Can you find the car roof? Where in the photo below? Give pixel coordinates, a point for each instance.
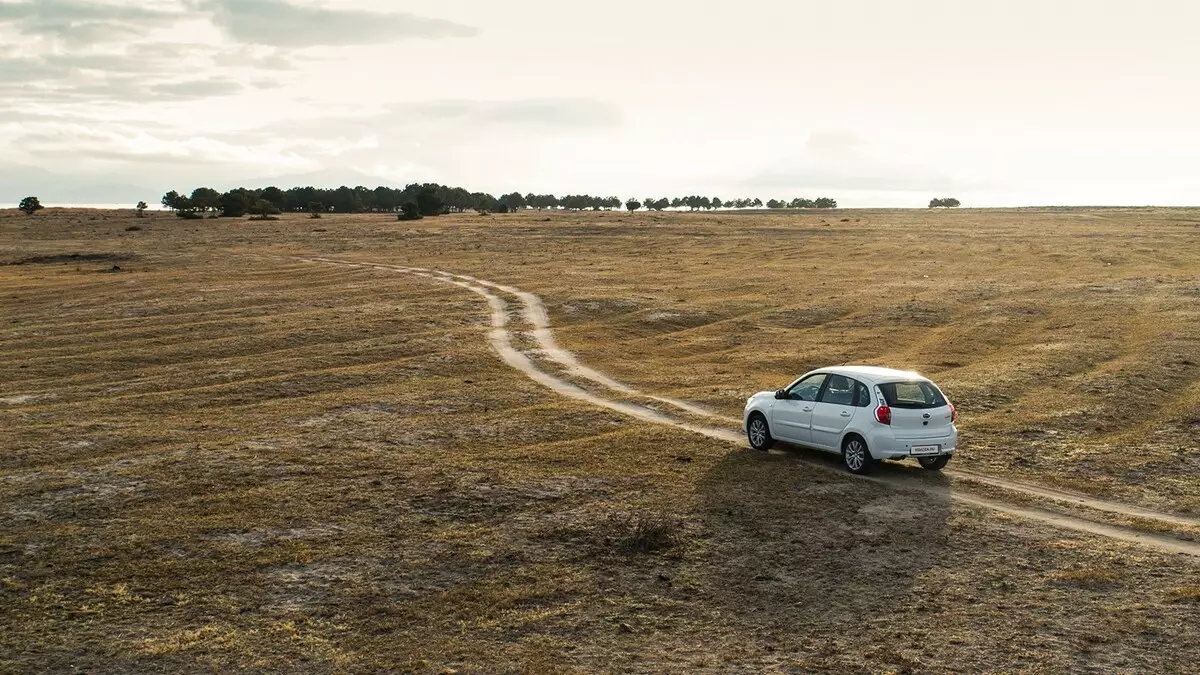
(873, 374)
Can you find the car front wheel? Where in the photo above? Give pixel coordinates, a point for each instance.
(856, 457)
(759, 433)
(934, 463)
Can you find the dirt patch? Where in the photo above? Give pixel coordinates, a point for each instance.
(63, 258)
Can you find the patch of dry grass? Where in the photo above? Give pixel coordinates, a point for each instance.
(214, 458)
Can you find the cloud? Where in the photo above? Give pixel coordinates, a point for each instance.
(579, 113)
(198, 88)
(273, 22)
(79, 22)
(84, 146)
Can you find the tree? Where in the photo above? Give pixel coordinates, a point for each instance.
(315, 209)
(263, 209)
(275, 196)
(185, 208)
(717, 203)
(141, 209)
(235, 203)
(825, 203)
(30, 205)
(385, 199)
(346, 200)
(946, 203)
(206, 199)
(429, 202)
(633, 205)
(515, 201)
(171, 200)
(484, 203)
(410, 211)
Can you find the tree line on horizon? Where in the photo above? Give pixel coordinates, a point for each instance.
(418, 200)
(432, 199)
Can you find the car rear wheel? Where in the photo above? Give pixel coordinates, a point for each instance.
(934, 463)
(759, 433)
(856, 456)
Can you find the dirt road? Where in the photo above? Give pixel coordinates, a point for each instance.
(536, 326)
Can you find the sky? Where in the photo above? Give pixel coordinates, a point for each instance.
(872, 102)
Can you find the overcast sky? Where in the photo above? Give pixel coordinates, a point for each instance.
(873, 102)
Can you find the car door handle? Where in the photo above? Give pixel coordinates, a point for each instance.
(846, 413)
(808, 410)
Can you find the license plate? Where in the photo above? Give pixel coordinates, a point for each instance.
(926, 449)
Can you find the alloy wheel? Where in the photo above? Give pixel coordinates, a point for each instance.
(758, 432)
(856, 455)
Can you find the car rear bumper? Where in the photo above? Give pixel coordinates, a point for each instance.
(888, 447)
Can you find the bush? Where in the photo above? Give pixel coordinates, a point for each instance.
(30, 205)
(944, 203)
(645, 532)
(410, 211)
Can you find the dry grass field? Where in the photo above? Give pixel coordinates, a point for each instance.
(216, 455)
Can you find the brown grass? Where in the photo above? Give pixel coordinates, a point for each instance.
(214, 458)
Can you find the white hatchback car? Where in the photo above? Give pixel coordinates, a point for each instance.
(861, 412)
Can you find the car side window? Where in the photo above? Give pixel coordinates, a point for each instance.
(808, 388)
(840, 391)
(862, 396)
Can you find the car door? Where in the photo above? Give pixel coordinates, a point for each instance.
(791, 416)
(832, 412)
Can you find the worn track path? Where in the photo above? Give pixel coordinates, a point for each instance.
(533, 313)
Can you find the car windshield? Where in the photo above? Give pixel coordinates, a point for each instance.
(916, 394)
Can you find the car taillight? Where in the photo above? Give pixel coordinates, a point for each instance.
(953, 412)
(883, 414)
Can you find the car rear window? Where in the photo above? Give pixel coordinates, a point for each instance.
(913, 395)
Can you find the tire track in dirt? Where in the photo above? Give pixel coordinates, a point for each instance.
(501, 340)
(534, 313)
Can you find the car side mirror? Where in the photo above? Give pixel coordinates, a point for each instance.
(781, 394)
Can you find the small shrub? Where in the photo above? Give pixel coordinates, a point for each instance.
(645, 532)
(134, 228)
(189, 215)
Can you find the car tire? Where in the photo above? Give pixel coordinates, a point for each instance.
(934, 463)
(759, 433)
(856, 456)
